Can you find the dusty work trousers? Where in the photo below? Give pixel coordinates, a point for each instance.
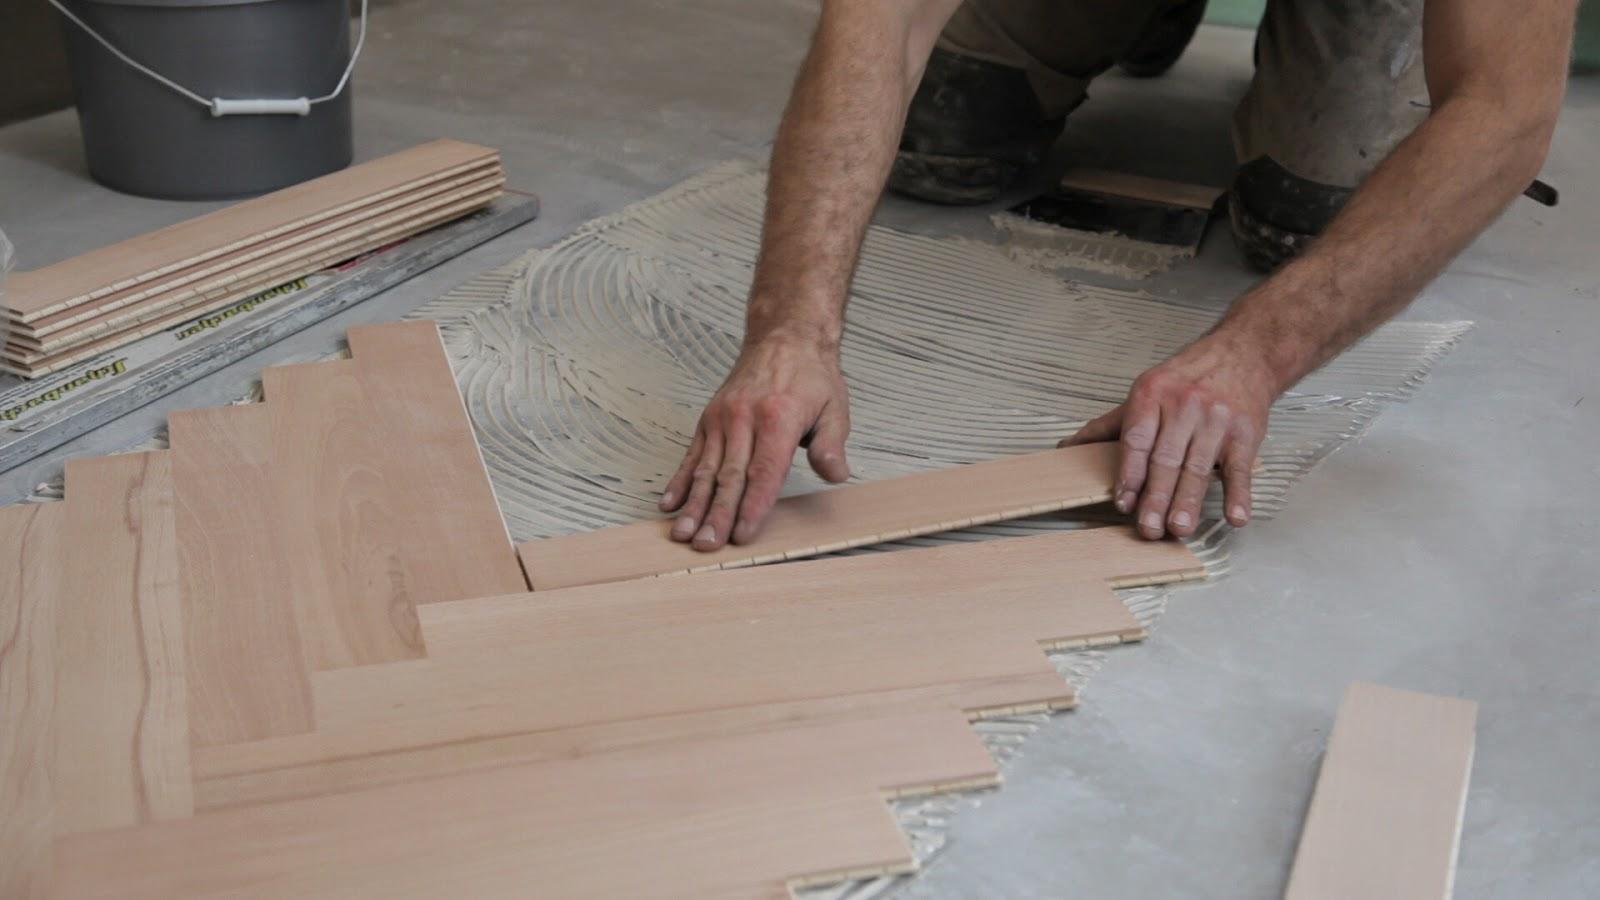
(1338, 83)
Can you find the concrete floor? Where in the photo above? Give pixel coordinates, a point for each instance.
(1451, 550)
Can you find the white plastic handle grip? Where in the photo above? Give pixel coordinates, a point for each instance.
(293, 106)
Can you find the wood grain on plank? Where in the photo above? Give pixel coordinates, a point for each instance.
(448, 501)
(122, 731)
(151, 255)
(31, 563)
(851, 516)
(697, 818)
(247, 673)
(350, 561)
(1385, 818)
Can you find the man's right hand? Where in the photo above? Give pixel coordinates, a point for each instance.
(783, 393)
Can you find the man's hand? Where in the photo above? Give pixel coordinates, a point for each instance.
(782, 393)
(1205, 407)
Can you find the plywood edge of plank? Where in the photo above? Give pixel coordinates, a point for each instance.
(105, 270)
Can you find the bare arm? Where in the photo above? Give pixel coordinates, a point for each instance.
(829, 164)
(1496, 75)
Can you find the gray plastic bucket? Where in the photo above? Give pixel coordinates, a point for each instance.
(146, 137)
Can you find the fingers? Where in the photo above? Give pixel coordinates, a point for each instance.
(825, 451)
(1141, 422)
(1237, 464)
(1104, 428)
(1161, 474)
(678, 485)
(1195, 477)
(776, 440)
(728, 483)
(702, 481)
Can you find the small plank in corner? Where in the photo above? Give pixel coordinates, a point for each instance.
(1385, 818)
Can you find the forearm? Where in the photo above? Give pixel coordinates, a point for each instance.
(1438, 189)
(831, 159)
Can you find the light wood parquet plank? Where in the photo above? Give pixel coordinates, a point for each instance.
(317, 764)
(700, 818)
(448, 500)
(31, 562)
(247, 673)
(122, 732)
(349, 561)
(960, 628)
(839, 518)
(1385, 818)
(148, 256)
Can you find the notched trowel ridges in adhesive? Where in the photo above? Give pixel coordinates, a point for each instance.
(839, 518)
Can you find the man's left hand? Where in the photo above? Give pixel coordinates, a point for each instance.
(1205, 407)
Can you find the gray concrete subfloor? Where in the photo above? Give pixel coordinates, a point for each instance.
(1451, 550)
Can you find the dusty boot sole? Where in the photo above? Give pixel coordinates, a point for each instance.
(1265, 245)
(950, 180)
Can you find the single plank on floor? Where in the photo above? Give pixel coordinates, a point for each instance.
(247, 674)
(1385, 818)
(448, 499)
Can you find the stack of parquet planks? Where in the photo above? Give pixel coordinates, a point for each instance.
(295, 655)
(67, 312)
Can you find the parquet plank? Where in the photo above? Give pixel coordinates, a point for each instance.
(1385, 818)
(700, 818)
(122, 732)
(316, 764)
(31, 562)
(448, 502)
(247, 673)
(350, 565)
(813, 629)
(850, 516)
(40, 292)
(957, 627)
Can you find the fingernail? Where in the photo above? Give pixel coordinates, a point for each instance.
(666, 500)
(1151, 522)
(683, 528)
(707, 535)
(1240, 514)
(1180, 520)
(1125, 502)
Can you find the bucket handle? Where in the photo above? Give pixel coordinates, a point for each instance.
(296, 106)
